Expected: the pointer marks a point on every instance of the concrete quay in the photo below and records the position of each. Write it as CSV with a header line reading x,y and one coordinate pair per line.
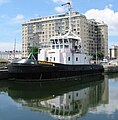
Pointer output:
x,y
110,68
4,74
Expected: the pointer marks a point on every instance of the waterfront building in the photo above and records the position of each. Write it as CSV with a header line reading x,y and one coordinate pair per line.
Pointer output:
x,y
94,35
114,52
10,55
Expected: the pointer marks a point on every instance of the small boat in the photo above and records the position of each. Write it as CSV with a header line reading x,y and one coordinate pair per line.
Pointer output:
x,y
65,58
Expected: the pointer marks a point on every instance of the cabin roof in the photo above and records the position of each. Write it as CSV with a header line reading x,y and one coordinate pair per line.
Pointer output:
x,y
66,36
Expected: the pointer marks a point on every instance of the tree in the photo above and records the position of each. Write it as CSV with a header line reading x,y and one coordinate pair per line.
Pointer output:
x,y
100,55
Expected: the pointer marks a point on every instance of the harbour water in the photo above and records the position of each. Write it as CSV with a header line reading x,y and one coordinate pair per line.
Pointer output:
x,y
86,98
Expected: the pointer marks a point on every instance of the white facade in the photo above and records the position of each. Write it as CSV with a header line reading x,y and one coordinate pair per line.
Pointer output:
x,y
10,55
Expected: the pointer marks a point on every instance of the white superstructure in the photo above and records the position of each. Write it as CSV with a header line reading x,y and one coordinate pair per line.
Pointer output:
x,y
65,49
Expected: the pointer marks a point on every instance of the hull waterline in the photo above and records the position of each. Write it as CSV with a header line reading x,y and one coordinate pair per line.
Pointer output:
x,y
46,72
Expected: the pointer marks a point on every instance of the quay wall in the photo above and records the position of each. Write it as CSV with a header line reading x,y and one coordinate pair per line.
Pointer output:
x,y
4,74
110,68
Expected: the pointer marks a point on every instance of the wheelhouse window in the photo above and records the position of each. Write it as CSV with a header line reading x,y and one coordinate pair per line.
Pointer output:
x,y
66,46
65,41
53,46
60,41
61,46
56,41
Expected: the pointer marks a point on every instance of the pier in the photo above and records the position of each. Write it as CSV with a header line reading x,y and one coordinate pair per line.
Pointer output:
x,y
110,68
4,74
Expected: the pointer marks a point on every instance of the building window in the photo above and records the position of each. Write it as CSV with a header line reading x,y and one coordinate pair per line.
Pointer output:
x,y
54,58
68,58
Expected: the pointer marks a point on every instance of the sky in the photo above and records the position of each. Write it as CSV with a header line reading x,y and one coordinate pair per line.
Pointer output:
x,y
14,12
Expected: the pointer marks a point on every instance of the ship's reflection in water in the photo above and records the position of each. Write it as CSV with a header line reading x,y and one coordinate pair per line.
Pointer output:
x,y
62,100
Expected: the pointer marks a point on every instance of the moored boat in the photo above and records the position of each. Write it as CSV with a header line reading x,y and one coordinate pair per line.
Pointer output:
x,y
65,58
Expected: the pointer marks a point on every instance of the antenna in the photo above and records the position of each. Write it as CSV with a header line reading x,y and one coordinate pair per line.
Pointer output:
x,y
69,9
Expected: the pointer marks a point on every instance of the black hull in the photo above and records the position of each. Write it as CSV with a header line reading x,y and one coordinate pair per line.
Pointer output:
x,y
46,72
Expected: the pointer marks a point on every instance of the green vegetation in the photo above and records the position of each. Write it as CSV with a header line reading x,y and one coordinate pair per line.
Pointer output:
x,y
100,55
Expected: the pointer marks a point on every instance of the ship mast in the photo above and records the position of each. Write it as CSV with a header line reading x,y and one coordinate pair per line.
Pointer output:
x,y
69,9
14,48
70,25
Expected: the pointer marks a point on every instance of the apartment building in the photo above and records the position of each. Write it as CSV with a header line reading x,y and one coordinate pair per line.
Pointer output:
x,y
37,32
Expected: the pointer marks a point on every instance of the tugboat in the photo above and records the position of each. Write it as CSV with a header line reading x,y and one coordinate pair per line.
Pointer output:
x,y
65,58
